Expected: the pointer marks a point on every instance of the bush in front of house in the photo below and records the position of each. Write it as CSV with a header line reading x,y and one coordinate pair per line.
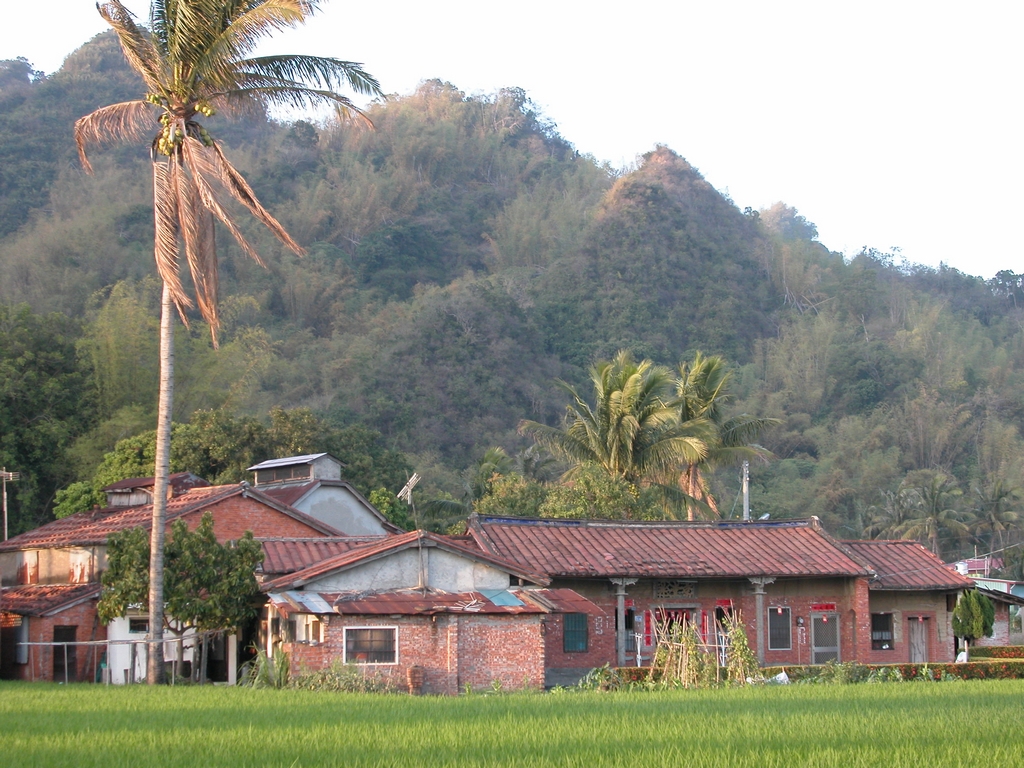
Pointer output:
x,y
997,652
851,672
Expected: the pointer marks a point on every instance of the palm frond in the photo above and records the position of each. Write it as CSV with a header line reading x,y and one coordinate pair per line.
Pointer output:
x,y
201,166
136,44
239,188
127,121
317,71
165,209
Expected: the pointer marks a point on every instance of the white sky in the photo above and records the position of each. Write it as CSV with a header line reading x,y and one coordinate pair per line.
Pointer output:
x,y
887,124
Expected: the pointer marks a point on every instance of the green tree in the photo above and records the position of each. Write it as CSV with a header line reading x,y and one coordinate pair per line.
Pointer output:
x,y
935,513
996,512
208,586
195,60
973,616
44,405
702,390
633,431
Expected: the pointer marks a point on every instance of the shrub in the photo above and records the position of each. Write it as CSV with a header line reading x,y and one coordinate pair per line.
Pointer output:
x,y
997,652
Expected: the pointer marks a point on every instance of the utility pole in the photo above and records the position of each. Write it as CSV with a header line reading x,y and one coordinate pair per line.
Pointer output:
x,y
6,476
746,490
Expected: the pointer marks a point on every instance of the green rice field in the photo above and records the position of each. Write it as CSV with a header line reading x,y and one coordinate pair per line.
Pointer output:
x,y
906,725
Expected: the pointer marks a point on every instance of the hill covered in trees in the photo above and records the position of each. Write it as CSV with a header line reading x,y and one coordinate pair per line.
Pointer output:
x,y
462,257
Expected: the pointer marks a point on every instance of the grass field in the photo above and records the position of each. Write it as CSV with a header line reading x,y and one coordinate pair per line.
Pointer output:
x,y
906,725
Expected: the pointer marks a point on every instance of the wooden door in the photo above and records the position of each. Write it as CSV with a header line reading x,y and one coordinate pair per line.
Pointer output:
x,y
917,639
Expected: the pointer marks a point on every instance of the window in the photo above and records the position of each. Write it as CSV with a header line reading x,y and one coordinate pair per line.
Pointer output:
x,y
779,635
371,645
881,632
138,625
574,636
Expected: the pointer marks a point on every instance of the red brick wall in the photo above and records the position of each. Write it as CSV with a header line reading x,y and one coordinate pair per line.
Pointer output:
x,y
600,643
40,630
850,596
233,516
454,651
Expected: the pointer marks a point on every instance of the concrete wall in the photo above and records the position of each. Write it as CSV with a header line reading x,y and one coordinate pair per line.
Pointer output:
x,y
71,565
455,651
326,468
401,570
340,509
907,606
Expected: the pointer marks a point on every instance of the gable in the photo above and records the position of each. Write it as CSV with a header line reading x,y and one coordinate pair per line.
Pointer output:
x,y
404,568
341,508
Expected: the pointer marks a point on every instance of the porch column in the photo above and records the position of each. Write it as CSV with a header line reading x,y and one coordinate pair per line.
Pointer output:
x,y
620,614
760,582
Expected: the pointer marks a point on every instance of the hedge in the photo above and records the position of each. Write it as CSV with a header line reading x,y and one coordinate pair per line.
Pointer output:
x,y
1008,669
997,652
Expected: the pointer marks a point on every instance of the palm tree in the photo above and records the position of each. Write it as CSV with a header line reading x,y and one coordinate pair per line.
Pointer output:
x,y
632,432
889,519
935,513
702,392
194,60
995,511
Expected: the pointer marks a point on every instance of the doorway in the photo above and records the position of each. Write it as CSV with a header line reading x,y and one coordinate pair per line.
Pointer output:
x,y
917,639
824,638
65,657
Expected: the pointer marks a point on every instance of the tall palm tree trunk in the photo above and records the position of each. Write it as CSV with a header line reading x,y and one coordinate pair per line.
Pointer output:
x,y
155,663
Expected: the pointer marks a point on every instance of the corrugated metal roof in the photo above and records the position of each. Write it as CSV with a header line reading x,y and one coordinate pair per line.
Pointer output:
x,y
904,564
288,461
391,544
43,599
606,549
93,527
283,556
420,602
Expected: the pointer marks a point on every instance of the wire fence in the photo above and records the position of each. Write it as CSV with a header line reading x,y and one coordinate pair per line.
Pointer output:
x,y
64,657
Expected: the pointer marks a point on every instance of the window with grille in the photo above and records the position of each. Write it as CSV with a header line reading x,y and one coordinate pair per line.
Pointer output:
x,y
574,634
779,633
665,589
371,645
881,632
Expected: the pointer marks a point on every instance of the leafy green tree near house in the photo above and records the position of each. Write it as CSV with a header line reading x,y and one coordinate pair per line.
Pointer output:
x,y
195,60
973,617
935,514
208,586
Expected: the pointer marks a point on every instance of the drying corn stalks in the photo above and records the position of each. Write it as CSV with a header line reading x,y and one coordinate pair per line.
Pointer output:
x,y
685,659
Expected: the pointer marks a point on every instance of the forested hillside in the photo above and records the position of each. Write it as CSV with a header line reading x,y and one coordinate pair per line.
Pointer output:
x,y
462,257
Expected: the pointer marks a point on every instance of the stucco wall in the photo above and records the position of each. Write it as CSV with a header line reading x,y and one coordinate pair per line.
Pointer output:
x,y
443,570
340,509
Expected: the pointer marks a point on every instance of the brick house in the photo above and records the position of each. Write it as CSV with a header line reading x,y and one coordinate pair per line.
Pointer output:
x,y
910,602
53,572
803,596
420,603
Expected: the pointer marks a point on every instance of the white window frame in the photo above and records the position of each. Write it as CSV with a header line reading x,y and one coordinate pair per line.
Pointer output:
x,y
392,627
788,614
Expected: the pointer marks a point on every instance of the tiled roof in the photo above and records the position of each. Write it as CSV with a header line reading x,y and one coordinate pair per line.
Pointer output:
x,y
592,548
42,599
93,527
283,556
390,544
291,493
418,602
288,494
904,564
